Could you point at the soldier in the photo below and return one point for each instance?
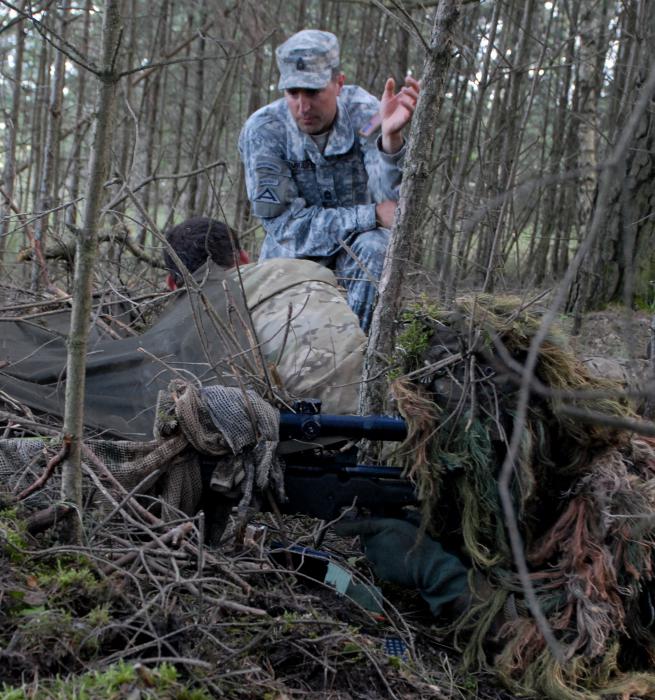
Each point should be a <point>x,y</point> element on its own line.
<point>306,332</point>
<point>318,175</point>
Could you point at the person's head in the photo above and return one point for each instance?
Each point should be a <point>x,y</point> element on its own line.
<point>311,79</point>
<point>197,239</point>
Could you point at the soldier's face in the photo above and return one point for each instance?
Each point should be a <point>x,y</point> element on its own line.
<point>314,110</point>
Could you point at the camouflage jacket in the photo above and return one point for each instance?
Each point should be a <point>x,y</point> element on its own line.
<point>306,330</point>
<point>309,201</point>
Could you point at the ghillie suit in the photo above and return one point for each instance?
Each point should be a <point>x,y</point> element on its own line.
<point>583,493</point>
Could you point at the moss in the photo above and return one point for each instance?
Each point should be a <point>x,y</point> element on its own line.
<point>13,536</point>
<point>414,338</point>
<point>118,681</point>
<point>66,577</point>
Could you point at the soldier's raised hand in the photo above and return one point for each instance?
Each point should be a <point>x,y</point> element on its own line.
<point>396,110</point>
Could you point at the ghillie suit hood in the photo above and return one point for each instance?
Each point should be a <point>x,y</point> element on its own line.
<point>583,493</point>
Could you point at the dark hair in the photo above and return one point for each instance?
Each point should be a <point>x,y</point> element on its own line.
<point>197,239</point>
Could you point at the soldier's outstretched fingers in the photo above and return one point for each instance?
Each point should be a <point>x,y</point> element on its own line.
<point>410,92</point>
<point>407,100</point>
<point>412,83</point>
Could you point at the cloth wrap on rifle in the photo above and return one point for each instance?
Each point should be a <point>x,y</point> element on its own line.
<point>236,427</point>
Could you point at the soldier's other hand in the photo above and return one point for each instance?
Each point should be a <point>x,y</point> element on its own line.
<point>398,555</point>
<point>396,110</point>
<point>385,213</point>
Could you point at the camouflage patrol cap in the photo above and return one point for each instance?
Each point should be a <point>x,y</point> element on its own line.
<point>307,59</point>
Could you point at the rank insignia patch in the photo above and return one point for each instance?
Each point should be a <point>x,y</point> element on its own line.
<point>267,195</point>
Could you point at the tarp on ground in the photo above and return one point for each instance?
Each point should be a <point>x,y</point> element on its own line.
<point>205,334</point>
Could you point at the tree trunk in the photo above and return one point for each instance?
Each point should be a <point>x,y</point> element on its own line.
<point>401,62</point>
<point>411,206</point>
<point>80,126</point>
<point>192,209</point>
<point>243,217</point>
<point>151,102</point>
<point>51,148</point>
<point>37,139</point>
<point>85,257</point>
<point>511,146</point>
<point>588,86</point>
<point>621,265</point>
<point>181,117</point>
<point>12,124</point>
<point>447,278</point>
<point>548,236</point>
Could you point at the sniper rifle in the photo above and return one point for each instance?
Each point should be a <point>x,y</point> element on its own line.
<point>321,481</point>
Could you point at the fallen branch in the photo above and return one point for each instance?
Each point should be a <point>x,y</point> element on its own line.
<point>44,519</point>
<point>48,471</point>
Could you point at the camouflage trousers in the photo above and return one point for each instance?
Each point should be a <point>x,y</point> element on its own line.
<point>359,269</point>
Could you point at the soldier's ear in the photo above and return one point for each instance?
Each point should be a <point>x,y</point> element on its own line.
<point>341,79</point>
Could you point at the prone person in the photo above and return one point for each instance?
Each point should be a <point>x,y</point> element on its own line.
<point>392,546</point>
<point>323,166</point>
<point>304,327</point>
<point>303,330</point>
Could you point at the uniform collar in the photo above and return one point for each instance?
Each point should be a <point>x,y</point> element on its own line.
<point>340,140</point>
<point>342,134</point>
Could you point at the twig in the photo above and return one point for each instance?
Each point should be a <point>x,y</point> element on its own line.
<point>48,471</point>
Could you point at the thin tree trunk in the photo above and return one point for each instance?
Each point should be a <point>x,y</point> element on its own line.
<point>511,145</point>
<point>192,209</point>
<point>159,103</point>
<point>80,125</point>
<point>587,115</point>
<point>447,278</point>
<point>48,171</point>
<point>128,129</point>
<point>12,126</point>
<point>549,236</point>
<point>181,119</point>
<point>302,13</point>
<point>254,103</point>
<point>410,211</point>
<point>401,62</point>
<point>37,138</point>
<point>86,249</point>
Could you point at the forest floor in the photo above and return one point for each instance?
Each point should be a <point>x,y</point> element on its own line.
<point>151,613</point>
<point>613,333</point>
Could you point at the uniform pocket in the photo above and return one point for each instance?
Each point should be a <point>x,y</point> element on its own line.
<point>303,174</point>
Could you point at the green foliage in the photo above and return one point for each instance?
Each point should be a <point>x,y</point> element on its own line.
<point>414,338</point>
<point>67,577</point>
<point>99,616</point>
<point>395,662</point>
<point>351,652</point>
<point>120,680</point>
<point>12,535</point>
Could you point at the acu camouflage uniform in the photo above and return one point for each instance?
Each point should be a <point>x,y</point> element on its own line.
<point>312,203</point>
<point>306,331</point>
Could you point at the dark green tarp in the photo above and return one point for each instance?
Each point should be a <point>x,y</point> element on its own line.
<point>124,376</point>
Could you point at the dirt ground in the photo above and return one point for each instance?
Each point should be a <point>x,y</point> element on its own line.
<point>613,332</point>
<point>614,343</point>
